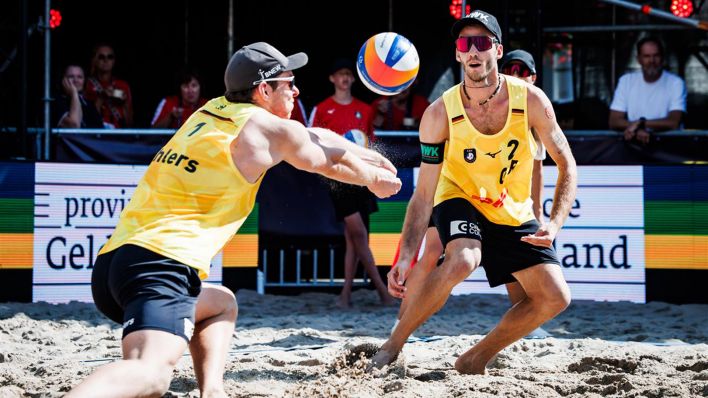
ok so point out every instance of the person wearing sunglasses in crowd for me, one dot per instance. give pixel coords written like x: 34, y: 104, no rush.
x: 194, y: 196
x: 352, y: 118
x: 475, y: 178
x: 111, y: 96
x: 520, y: 64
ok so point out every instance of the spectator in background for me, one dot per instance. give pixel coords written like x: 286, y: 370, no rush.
x: 402, y: 111
x: 519, y: 63
x: 71, y: 109
x: 172, y: 111
x: 351, y: 118
x: 112, y: 96
x: 648, y: 100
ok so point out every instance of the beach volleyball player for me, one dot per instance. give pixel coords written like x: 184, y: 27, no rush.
x: 477, y: 153
x: 517, y: 63
x: 195, y: 194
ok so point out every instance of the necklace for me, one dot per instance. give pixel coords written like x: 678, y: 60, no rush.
x: 496, y: 90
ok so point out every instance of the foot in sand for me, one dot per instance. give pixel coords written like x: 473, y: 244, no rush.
x: 382, y: 358
x: 344, y: 303
x: 470, y: 364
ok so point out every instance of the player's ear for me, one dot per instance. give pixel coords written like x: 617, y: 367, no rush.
x: 500, y: 51
x: 263, y: 89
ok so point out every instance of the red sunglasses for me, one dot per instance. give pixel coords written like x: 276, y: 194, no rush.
x: 517, y: 70
x: 481, y: 43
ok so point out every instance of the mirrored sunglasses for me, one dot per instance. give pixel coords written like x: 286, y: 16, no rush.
x: 481, y: 43
x: 517, y: 70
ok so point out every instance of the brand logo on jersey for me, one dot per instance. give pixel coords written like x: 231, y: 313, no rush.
x: 128, y: 322
x: 470, y: 155
x: 357, y: 115
x: 459, y: 227
x: 493, y: 155
x: 330, y: 111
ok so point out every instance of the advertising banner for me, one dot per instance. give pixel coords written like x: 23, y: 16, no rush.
x: 76, y: 209
x: 601, y: 245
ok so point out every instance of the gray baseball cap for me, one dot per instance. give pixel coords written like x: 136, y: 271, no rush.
x: 478, y: 17
x: 521, y: 56
x: 255, y: 62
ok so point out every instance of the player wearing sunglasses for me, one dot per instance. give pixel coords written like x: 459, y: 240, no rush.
x: 475, y: 179
x: 195, y: 195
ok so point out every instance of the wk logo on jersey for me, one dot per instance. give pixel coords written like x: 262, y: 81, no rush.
x: 493, y: 155
x: 470, y: 155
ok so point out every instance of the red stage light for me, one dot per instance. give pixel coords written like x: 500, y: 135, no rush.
x: 54, y: 18
x: 682, y: 8
x: 456, y: 9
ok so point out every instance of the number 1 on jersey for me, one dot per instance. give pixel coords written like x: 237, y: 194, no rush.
x: 197, y: 128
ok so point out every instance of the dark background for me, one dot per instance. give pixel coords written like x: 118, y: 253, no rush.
x: 153, y: 39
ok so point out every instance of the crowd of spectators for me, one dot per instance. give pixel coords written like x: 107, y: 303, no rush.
x: 645, y: 102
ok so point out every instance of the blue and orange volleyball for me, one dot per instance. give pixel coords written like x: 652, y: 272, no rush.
x: 387, y: 63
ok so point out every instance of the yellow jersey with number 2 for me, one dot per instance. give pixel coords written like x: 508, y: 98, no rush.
x: 493, y: 172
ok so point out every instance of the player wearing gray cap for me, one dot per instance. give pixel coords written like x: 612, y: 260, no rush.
x: 194, y: 196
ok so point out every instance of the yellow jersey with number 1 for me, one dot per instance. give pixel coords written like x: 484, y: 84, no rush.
x: 493, y: 172
x: 192, y: 199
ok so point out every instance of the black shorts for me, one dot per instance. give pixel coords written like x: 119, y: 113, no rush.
x: 144, y: 290
x: 349, y: 199
x: 503, y: 252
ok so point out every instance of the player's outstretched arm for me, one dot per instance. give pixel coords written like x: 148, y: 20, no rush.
x: 542, y: 119
x: 330, y: 138
x: 323, y: 152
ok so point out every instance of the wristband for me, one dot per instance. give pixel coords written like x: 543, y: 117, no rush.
x: 432, y: 153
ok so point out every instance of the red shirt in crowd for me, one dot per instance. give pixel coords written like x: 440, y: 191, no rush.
x: 168, y: 104
x: 393, y: 117
x: 342, y: 118
x: 112, y: 111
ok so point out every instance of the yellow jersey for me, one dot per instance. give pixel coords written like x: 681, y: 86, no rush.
x: 192, y: 199
x: 492, y: 172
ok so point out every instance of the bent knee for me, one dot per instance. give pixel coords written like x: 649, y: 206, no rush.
x: 222, y: 302
x: 156, y: 376
x: 463, y: 263
x: 557, y: 301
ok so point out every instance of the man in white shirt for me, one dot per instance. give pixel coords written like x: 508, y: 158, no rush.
x: 648, y: 100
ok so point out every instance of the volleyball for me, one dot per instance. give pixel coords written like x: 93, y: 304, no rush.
x: 358, y: 137
x: 387, y: 63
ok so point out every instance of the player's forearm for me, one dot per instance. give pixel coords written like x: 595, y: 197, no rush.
x: 350, y: 169
x: 564, y: 196
x: 536, y: 191
x: 414, y: 226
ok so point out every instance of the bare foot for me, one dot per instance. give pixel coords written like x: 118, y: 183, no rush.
x: 382, y: 358
x: 343, y: 303
x: 388, y: 300
x: 469, y: 364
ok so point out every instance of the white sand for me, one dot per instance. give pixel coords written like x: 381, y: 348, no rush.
x: 289, y: 346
